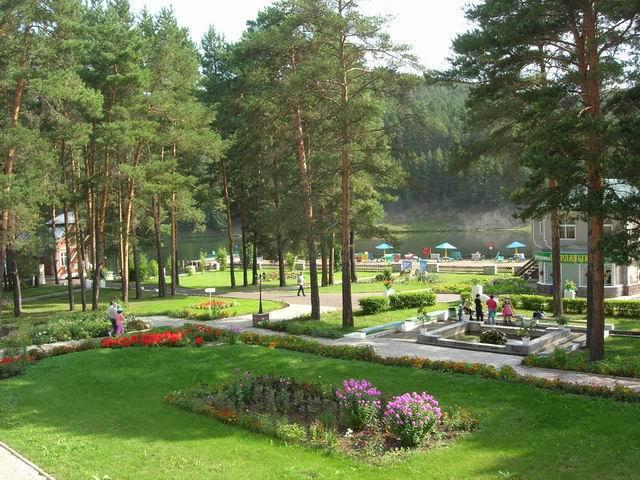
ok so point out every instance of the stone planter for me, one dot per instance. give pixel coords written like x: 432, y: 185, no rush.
x: 258, y: 318
x: 389, y: 292
x: 407, y: 326
x: 525, y: 341
x: 571, y: 294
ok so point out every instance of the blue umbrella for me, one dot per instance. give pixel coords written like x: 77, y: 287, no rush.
x: 384, y: 247
x: 446, y: 246
x: 516, y: 245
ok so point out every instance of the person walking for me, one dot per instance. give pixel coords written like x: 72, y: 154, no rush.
x: 301, y: 284
x: 119, y: 322
x: 492, y: 306
x: 479, y: 312
x: 507, y: 311
x: 112, y: 312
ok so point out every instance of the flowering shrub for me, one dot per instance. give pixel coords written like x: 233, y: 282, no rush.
x: 13, y: 366
x: 198, y: 341
x: 169, y: 339
x: 213, y: 304
x: 412, y: 416
x: 359, y: 403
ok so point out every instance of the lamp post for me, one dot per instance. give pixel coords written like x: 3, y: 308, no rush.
x: 261, y: 277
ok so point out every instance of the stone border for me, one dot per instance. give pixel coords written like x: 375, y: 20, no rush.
x: 26, y: 461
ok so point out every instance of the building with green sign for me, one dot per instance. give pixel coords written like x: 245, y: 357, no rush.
x: 619, y: 279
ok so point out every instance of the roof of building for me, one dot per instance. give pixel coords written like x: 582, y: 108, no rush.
x: 60, y: 219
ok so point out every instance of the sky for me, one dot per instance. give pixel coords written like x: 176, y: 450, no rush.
x: 428, y: 26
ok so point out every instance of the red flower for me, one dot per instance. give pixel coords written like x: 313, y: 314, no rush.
x: 199, y: 341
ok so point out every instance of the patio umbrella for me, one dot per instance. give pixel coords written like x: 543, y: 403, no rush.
x: 516, y: 245
x: 384, y: 247
x: 446, y: 246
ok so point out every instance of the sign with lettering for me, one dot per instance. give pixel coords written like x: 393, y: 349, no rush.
x: 564, y: 257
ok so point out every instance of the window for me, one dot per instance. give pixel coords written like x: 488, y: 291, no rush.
x: 607, y: 228
x: 610, y: 277
x: 567, y: 230
x: 545, y: 273
x: 582, y: 275
x: 63, y: 258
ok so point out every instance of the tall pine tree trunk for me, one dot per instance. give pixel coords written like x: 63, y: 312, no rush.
x: 54, y: 256
x: 245, y: 260
x: 585, y: 37
x: 67, y: 244
x: 227, y: 203
x: 136, y: 268
x: 158, y: 238
x: 325, y: 263
x: 174, y: 247
x: 305, y: 188
x: 15, y: 280
x: 254, y: 266
x: 345, y: 158
x: 7, y: 168
x: 332, y: 257
x: 556, y: 264
x: 352, y: 257
x: 82, y: 257
x: 282, y: 276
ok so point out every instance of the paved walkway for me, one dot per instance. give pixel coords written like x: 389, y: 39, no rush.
x: 387, y: 346
x: 14, y: 466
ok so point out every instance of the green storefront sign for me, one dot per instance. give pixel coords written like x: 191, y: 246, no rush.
x: 564, y: 257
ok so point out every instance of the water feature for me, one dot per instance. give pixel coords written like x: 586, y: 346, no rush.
x: 190, y: 245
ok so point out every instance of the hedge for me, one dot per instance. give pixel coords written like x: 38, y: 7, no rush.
x: 371, y: 305
x: 612, y: 308
x: 412, y: 300
x: 401, y: 301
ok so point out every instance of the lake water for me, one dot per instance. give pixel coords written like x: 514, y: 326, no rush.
x: 189, y: 246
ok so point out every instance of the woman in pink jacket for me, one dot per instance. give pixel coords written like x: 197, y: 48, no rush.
x: 507, y: 311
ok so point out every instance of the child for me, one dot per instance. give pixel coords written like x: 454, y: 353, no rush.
x: 467, y: 310
x: 491, y: 308
x: 479, y: 312
x: 507, y: 311
x: 120, y: 322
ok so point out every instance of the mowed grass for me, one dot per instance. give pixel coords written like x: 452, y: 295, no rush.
x: 149, y: 304
x: 101, y: 414
x: 333, y: 320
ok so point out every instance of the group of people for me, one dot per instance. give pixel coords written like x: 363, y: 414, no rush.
x: 492, y: 308
x: 116, y: 316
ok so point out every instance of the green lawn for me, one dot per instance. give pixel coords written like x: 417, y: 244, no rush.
x: 333, y: 320
x: 101, y: 414
x: 28, y: 292
x: 220, y: 281
x: 149, y: 304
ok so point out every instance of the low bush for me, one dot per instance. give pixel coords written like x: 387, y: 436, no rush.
x: 578, y: 306
x: 303, y: 327
x: 359, y: 403
x: 412, y: 417
x: 403, y: 301
x: 494, y: 337
x: 561, y: 360
x: 14, y: 366
x: 372, y: 305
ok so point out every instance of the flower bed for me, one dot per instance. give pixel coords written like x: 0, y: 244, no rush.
x: 354, y: 419
x: 14, y: 365
x: 76, y: 326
